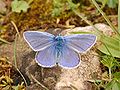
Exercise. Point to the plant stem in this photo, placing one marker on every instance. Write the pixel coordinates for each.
(14, 56)
(4, 41)
(88, 22)
(105, 17)
(110, 74)
(15, 62)
(39, 82)
(16, 28)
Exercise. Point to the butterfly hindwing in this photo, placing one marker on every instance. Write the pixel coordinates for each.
(38, 40)
(46, 57)
(69, 58)
(80, 42)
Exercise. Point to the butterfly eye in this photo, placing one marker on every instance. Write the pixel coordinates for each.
(58, 38)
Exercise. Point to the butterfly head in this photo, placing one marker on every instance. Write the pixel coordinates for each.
(59, 40)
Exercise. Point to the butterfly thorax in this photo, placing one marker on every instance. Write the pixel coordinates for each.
(59, 45)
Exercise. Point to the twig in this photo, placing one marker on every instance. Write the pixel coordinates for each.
(16, 63)
(39, 82)
(16, 28)
(4, 41)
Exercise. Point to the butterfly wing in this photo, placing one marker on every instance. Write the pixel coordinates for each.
(69, 58)
(38, 40)
(80, 42)
(46, 57)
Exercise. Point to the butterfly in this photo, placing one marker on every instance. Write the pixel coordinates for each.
(58, 50)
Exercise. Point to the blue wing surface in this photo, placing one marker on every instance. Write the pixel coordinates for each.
(38, 40)
(46, 57)
(80, 42)
(69, 58)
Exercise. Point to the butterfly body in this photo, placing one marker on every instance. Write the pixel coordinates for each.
(61, 50)
(60, 42)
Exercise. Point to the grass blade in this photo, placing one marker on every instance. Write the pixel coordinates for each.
(15, 62)
(39, 83)
(105, 17)
(4, 41)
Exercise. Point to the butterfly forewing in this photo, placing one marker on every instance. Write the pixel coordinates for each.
(80, 42)
(38, 40)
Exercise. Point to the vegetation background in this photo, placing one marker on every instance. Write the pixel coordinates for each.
(17, 16)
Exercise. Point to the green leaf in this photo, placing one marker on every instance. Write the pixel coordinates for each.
(108, 61)
(57, 7)
(109, 85)
(18, 6)
(81, 32)
(112, 3)
(72, 6)
(61, 6)
(110, 46)
(117, 75)
(56, 11)
(116, 86)
(113, 85)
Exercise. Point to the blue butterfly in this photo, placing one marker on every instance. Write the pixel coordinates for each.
(61, 50)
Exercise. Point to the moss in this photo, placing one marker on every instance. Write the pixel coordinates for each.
(39, 13)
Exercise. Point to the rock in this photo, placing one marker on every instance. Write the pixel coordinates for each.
(101, 27)
(89, 66)
(56, 78)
